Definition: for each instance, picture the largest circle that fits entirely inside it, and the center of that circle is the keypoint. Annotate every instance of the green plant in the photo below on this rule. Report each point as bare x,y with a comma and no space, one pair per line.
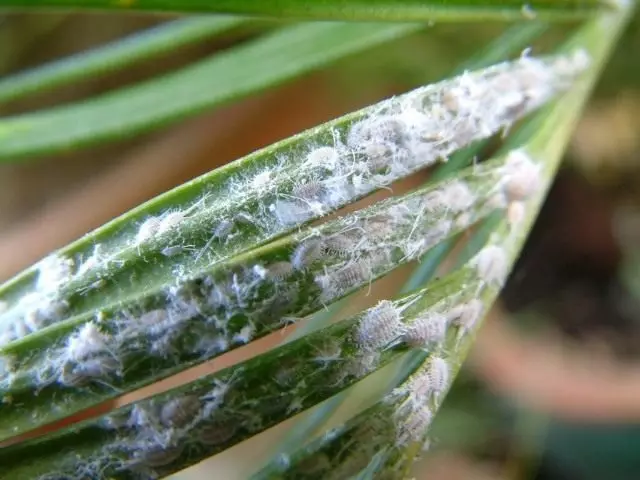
230,257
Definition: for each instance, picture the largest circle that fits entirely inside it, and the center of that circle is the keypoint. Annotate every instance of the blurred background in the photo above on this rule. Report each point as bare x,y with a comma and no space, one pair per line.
551,390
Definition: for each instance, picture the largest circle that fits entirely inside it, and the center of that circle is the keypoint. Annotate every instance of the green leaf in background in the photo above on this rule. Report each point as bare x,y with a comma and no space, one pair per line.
269,60
116,55
386,10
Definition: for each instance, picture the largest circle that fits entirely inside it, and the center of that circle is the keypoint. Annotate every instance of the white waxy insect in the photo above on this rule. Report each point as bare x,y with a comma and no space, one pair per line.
288,213
179,412
385,129
172,251
379,326
154,321
4,306
147,230
458,197
306,253
521,176
340,246
78,374
279,270
439,375
379,157
465,316
428,330
348,277
87,341
325,157
351,275
309,190
413,427
170,221
492,265
223,229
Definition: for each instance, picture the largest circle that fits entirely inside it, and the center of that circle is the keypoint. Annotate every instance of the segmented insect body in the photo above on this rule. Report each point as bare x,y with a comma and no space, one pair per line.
413,427
309,190
426,331
306,253
379,327
340,246
348,277
438,376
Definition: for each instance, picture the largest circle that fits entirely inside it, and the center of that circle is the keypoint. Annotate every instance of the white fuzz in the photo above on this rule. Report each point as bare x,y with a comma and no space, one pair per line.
279,270
362,364
170,221
53,271
308,190
492,265
325,157
426,331
88,341
180,411
389,141
379,327
328,352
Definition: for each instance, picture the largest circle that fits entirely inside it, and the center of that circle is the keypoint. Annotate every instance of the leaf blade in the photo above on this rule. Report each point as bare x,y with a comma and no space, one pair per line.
277,57
359,10
115,55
